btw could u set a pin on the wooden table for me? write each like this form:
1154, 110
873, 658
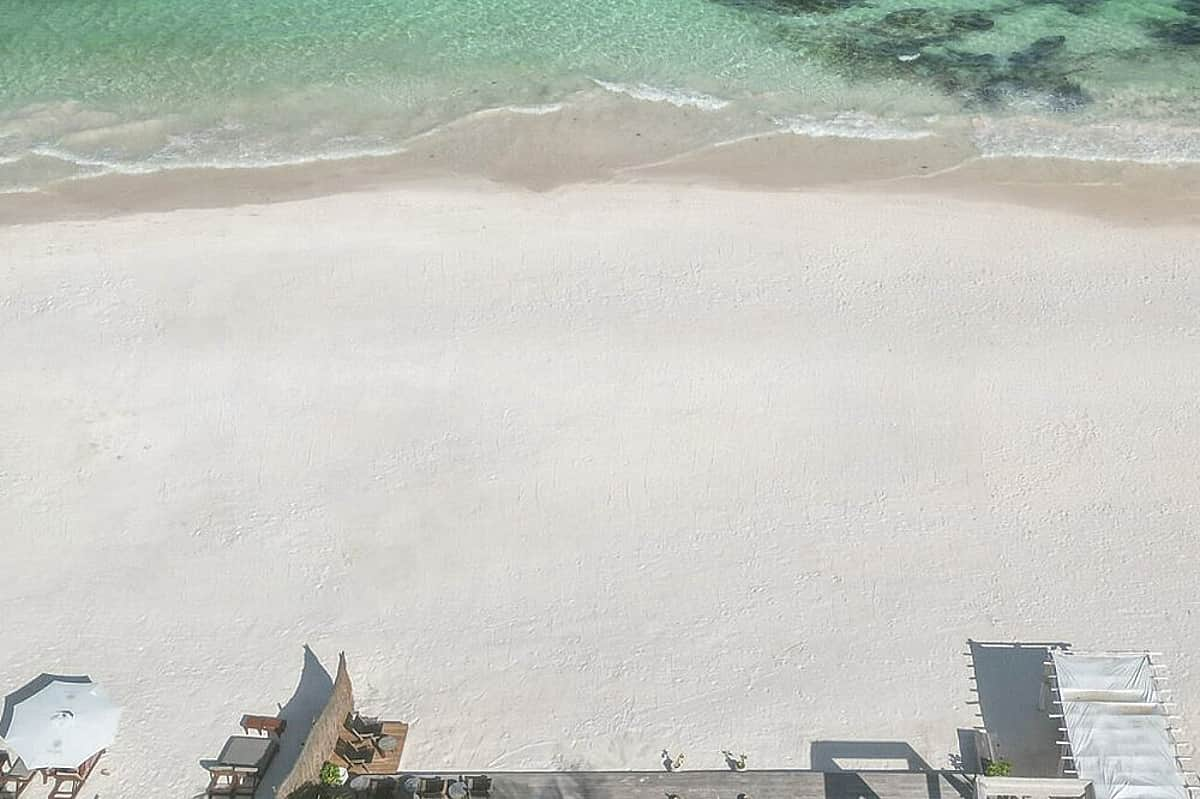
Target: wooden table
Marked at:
264, 724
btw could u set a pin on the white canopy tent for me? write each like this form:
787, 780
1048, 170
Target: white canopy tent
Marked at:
58, 722
1118, 729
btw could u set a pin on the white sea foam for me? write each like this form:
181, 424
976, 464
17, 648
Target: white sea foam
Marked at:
531, 110
848, 126
1127, 140
153, 165
86, 167
540, 110
543, 109
21, 189
227, 146
76, 159
656, 94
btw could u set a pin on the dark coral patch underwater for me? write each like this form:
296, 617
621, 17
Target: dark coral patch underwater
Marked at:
930, 45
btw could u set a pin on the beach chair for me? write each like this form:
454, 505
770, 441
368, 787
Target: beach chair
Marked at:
478, 784
14, 777
365, 729
66, 785
246, 780
68, 782
430, 786
222, 780
354, 755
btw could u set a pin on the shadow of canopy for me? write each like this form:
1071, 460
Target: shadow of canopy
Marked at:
1009, 680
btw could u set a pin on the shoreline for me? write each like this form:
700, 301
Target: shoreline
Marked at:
604, 143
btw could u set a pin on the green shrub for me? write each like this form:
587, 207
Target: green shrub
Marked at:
997, 768
331, 775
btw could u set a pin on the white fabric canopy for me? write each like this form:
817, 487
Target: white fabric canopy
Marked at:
59, 722
1117, 726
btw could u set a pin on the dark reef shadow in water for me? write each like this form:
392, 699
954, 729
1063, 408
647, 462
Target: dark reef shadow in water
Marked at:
947, 50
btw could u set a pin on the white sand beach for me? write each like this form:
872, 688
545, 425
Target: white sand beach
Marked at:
577, 476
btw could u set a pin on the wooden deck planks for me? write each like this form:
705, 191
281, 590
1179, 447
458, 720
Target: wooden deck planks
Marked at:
385, 763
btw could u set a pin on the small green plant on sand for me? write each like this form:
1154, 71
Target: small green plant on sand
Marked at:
331, 775
997, 768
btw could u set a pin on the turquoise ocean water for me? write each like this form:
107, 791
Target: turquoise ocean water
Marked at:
92, 86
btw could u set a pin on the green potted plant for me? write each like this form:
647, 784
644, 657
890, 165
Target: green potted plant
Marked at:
997, 768
332, 775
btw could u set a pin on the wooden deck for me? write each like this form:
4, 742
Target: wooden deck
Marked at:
709, 785
386, 763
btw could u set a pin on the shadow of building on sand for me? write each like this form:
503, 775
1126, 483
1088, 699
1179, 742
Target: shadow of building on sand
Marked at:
1014, 704
850, 755
848, 767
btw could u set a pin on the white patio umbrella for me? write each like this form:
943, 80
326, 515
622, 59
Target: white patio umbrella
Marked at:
58, 722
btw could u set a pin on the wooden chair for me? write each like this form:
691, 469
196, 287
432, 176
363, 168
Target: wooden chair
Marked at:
222, 780
15, 779
68, 782
353, 755
245, 781
66, 785
11, 787
365, 729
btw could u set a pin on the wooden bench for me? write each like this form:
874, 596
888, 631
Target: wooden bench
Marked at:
263, 724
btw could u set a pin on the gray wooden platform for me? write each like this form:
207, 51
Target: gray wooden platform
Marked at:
719, 785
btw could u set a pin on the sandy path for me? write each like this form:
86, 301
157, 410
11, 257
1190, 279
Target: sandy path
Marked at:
580, 476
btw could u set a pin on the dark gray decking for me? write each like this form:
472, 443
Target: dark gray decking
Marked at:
724, 785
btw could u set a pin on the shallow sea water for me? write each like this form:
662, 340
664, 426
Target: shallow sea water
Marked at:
93, 86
